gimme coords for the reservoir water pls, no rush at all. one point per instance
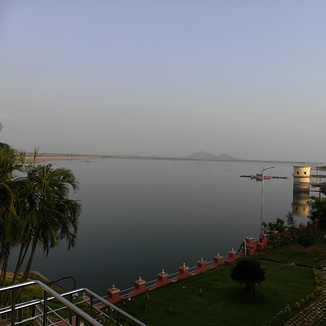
(142, 216)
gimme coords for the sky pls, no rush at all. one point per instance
(165, 77)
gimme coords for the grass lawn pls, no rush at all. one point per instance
(212, 298)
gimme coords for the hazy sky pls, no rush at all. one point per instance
(165, 77)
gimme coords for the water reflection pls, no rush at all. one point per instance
(300, 204)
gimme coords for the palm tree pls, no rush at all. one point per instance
(50, 215)
(7, 212)
(35, 208)
(9, 221)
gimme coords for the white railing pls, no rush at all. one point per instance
(41, 309)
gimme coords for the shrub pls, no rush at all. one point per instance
(306, 239)
(279, 317)
(317, 290)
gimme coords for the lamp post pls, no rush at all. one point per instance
(262, 200)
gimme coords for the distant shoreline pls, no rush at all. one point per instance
(48, 157)
(45, 157)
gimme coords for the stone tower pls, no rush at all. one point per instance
(301, 187)
(301, 178)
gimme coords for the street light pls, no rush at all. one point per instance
(262, 200)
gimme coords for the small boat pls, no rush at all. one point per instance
(260, 177)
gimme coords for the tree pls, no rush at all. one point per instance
(248, 272)
(290, 221)
(48, 215)
(306, 239)
(9, 221)
(35, 208)
(318, 209)
(278, 226)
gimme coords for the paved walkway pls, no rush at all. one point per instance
(315, 313)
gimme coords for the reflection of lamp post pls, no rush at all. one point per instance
(262, 200)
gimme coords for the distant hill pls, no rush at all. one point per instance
(201, 155)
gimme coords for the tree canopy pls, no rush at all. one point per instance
(249, 272)
(35, 209)
(318, 209)
(306, 239)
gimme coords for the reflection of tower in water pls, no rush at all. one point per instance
(301, 187)
(300, 204)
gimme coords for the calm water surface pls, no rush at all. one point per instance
(142, 216)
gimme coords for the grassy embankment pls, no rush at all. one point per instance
(212, 298)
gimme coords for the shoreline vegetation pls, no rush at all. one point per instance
(49, 157)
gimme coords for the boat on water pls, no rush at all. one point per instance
(260, 177)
